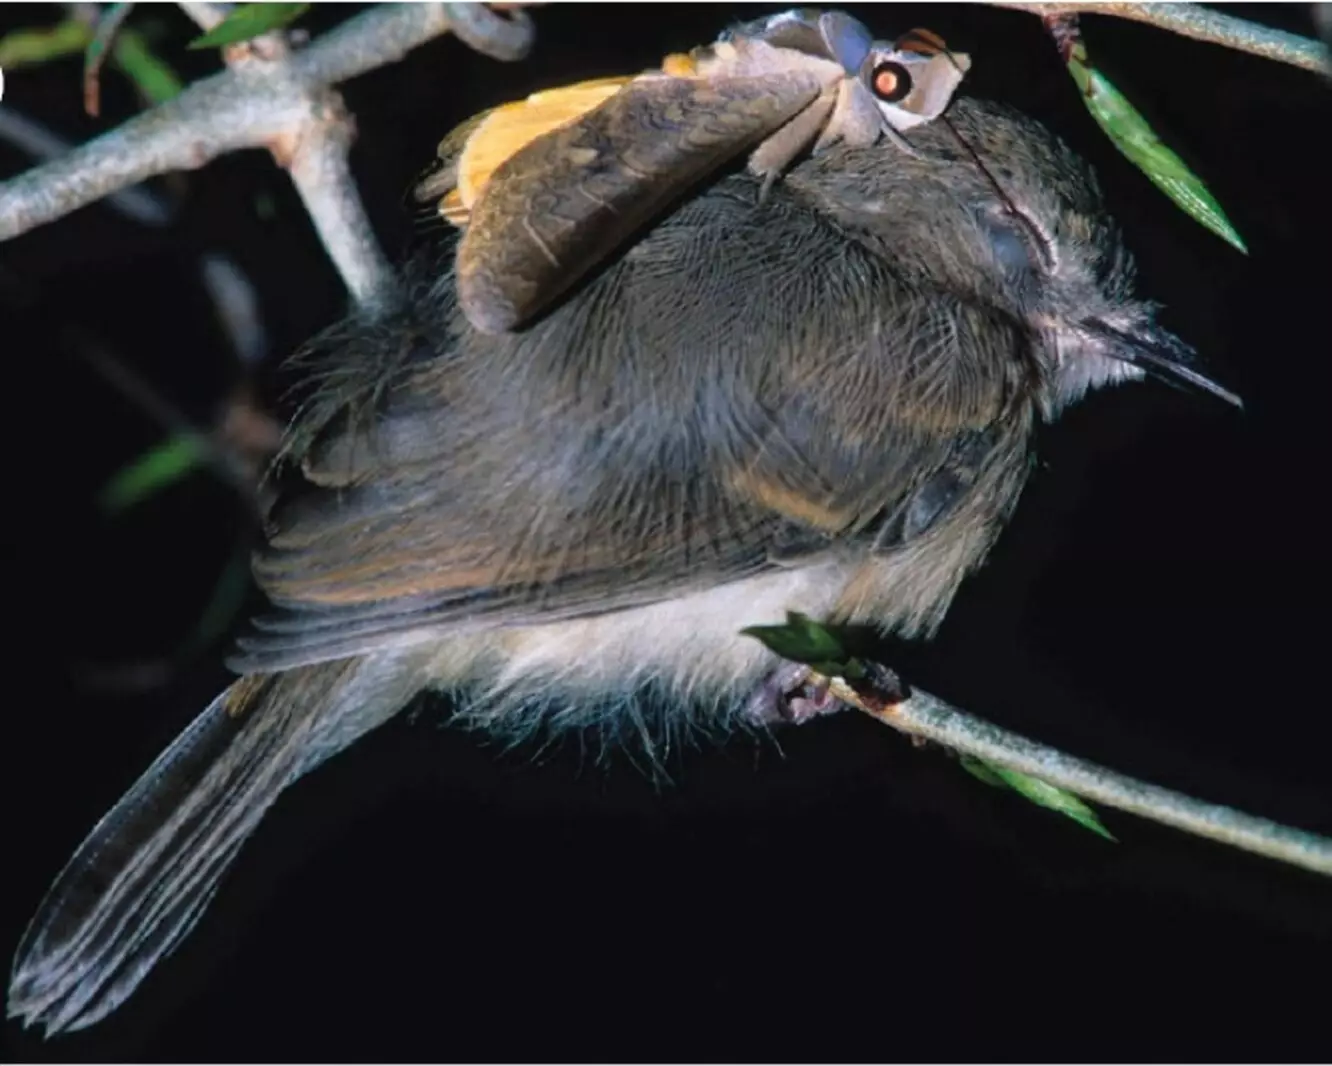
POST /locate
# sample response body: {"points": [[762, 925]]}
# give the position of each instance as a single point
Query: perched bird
{"points": [[821, 400]]}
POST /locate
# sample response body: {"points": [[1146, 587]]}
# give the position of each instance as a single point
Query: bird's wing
{"points": [[667, 430]]}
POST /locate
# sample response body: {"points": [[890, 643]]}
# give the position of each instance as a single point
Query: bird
{"points": [[822, 399]]}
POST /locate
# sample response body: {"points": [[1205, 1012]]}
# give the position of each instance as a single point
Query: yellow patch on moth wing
{"points": [[435, 185], [679, 65], [581, 157], [511, 127], [453, 210]]}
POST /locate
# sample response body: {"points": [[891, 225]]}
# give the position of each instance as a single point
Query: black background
{"points": [[1158, 605]]}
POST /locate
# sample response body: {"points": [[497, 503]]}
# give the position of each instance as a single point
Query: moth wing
{"points": [[469, 154], [510, 128], [556, 208], [444, 178]]}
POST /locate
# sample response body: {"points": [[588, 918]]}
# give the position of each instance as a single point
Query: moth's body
{"points": [[823, 402]]}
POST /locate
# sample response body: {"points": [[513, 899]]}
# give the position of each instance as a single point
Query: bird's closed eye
{"points": [[1019, 245], [1010, 249]]}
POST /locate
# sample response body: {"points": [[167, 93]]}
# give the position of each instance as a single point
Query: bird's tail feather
{"points": [[145, 874]]}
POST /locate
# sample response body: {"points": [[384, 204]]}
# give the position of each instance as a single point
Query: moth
{"points": [[547, 187]]}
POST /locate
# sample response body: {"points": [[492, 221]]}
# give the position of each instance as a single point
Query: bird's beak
{"points": [[1158, 354]]}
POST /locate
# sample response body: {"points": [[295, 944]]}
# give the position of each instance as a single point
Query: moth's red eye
{"points": [[890, 82]]}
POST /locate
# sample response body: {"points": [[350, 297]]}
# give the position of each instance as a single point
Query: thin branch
{"points": [[137, 202], [231, 292], [1202, 24], [385, 34], [236, 305], [104, 32], [226, 462], [316, 156], [283, 104], [319, 168], [930, 718]]}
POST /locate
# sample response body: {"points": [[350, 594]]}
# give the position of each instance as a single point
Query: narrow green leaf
{"points": [[802, 640], [1134, 137], [157, 468], [224, 605], [982, 771], [29, 47], [153, 77], [1047, 795], [108, 26], [247, 21]]}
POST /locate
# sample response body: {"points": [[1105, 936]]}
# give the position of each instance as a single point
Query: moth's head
{"points": [[996, 210], [908, 81]]}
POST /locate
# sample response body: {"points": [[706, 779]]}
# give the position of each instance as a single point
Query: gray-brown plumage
{"points": [[821, 402]]}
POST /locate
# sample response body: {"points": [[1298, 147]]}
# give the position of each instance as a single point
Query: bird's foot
{"points": [[789, 696]]}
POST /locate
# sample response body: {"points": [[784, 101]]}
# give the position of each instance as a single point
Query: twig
{"points": [[136, 201], [319, 168], [316, 157], [226, 462], [107, 26], [237, 307], [231, 292], [284, 104], [1202, 24], [930, 718]]}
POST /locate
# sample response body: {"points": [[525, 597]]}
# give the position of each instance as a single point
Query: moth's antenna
{"points": [[1010, 207], [928, 43]]}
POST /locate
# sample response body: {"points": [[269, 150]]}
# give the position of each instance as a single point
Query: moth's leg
{"points": [[771, 158], [900, 141], [855, 119]]}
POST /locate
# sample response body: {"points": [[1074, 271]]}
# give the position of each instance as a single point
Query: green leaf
{"points": [[108, 26], [225, 603], [1134, 137], [1044, 794], [982, 771], [152, 76], [802, 640], [247, 21], [160, 466], [26, 48]]}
